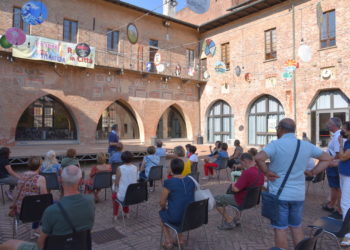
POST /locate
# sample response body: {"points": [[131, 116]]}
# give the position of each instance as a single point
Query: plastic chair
{"points": [[251, 200], [136, 193], [320, 177], [32, 210], [309, 243], [333, 227], [82, 241], [155, 174], [102, 180], [222, 166], [52, 182], [115, 166], [196, 215]]}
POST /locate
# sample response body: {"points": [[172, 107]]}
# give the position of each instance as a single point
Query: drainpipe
{"points": [[294, 73]]}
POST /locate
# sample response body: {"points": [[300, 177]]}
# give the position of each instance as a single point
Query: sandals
{"points": [[345, 242], [327, 208]]}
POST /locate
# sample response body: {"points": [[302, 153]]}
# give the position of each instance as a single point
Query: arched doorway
{"points": [[46, 119], [264, 115], [220, 122], [118, 113], [331, 103], [171, 125]]}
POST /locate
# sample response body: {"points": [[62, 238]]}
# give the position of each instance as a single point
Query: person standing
{"points": [[113, 139], [7, 175], [344, 174], [291, 201], [334, 125]]}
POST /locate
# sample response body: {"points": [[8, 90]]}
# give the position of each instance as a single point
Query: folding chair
{"points": [[309, 243], [135, 193], [333, 227], [102, 180], [196, 215], [194, 171], [2, 192], [155, 174], [320, 177], [82, 241], [251, 200], [222, 166], [52, 182], [32, 210]]}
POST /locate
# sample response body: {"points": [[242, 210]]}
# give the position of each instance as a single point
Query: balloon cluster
{"points": [[33, 13]]}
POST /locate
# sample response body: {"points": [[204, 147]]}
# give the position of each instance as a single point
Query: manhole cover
{"points": [[107, 235]]}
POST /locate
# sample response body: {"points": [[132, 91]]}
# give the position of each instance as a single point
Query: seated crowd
{"points": [[177, 193]]}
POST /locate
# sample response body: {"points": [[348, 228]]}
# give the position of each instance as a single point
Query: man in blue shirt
{"points": [[113, 139], [291, 201]]}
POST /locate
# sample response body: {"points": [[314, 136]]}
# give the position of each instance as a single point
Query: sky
{"points": [[153, 4]]}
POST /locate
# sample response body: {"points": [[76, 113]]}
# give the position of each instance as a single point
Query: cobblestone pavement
{"points": [[143, 231]]}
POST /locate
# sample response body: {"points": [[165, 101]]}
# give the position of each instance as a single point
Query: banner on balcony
{"points": [[44, 49]]}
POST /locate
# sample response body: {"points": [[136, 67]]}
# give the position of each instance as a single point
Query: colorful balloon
{"points": [[4, 43], [15, 36], [34, 12]]}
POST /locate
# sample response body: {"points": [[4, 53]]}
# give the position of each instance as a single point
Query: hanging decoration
{"points": [[160, 68], [304, 52], [132, 33], [4, 43], [291, 65], [15, 36], [82, 50], [198, 6], [148, 67], [287, 75], [206, 75], [238, 71], [319, 15], [178, 70], [157, 58], [248, 77], [34, 12], [209, 47], [220, 67], [190, 71]]}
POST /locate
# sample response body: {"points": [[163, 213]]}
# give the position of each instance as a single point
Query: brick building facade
{"points": [[256, 39]]}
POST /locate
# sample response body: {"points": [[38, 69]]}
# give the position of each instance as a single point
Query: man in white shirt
{"points": [[334, 125]]}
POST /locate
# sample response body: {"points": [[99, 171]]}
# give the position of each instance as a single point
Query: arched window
{"points": [[264, 115], [46, 119], [220, 122], [176, 126], [120, 114], [327, 104]]}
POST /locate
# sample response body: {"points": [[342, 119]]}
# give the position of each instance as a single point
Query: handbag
{"points": [[270, 202], [203, 194]]}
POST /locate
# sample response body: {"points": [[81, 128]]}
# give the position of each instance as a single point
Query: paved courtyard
{"points": [[143, 232]]}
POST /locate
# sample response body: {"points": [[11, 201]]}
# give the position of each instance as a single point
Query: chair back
{"points": [[74, 241], [156, 173], [136, 193], [223, 164], [194, 167], [195, 176], [196, 214], [102, 180], [309, 243], [162, 161], [319, 177], [34, 206], [345, 228], [52, 182], [252, 198], [115, 166]]}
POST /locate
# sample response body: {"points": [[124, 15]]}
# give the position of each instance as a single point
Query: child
{"points": [[148, 162]]}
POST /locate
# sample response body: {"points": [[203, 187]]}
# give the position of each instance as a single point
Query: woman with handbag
{"points": [[30, 183], [177, 193]]}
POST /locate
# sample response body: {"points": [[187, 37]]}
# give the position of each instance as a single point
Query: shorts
{"points": [[290, 214], [333, 181], [225, 200]]}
